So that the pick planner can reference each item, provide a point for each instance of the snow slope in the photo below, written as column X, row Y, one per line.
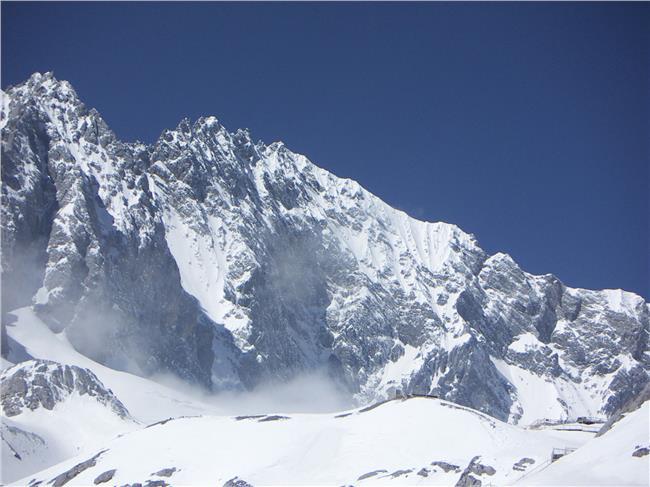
column 42, row 438
column 605, row 460
column 146, row 400
column 400, row 439
column 51, row 412
column 36, row 439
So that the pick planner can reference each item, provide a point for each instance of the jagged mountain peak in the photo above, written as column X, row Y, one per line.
column 41, row 84
column 232, row 263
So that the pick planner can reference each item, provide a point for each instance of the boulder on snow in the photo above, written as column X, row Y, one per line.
column 237, row 482
column 104, row 477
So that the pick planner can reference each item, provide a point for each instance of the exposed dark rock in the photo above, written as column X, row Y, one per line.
column 480, row 469
column 273, row 417
column 399, row 473
column 371, row 474
column 43, row 383
column 423, row 472
column 467, row 480
column 477, row 468
column 68, row 475
column 446, row 467
column 165, row 472
column 104, row 477
column 523, row 464
column 237, row 482
column 160, row 423
column 641, row 452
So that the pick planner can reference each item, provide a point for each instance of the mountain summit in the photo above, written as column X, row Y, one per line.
column 229, row 263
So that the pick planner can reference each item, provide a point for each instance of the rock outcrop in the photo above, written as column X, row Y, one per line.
column 38, row 384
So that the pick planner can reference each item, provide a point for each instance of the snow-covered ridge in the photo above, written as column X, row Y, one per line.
column 230, row 262
column 417, row 444
column 420, row 441
column 43, row 384
column 51, row 412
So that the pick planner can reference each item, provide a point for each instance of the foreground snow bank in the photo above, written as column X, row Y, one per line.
column 406, row 442
column 619, row 457
column 51, row 412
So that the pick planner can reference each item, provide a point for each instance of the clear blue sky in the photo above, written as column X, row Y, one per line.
column 525, row 124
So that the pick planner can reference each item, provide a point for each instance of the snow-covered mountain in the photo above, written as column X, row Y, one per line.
column 229, row 262
column 52, row 412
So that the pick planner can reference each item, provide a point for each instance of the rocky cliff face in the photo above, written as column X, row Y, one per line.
column 38, row 384
column 230, row 262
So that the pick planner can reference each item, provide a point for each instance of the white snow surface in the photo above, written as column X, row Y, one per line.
column 146, row 400
column 324, row 449
column 76, row 426
column 606, row 460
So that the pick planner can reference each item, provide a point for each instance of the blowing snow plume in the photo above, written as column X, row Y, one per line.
column 310, row 392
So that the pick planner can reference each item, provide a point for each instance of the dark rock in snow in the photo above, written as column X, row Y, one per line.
column 70, row 474
column 447, row 467
column 523, row 464
column 156, row 483
column 467, row 480
column 273, row 417
column 165, row 472
column 43, row 383
column 250, row 416
column 399, row 473
column 480, row 469
column 477, row 468
column 104, row 477
column 371, row 474
column 237, row 482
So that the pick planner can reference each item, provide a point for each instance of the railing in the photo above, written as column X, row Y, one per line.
column 558, row 453
column 536, row 469
column 587, row 420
